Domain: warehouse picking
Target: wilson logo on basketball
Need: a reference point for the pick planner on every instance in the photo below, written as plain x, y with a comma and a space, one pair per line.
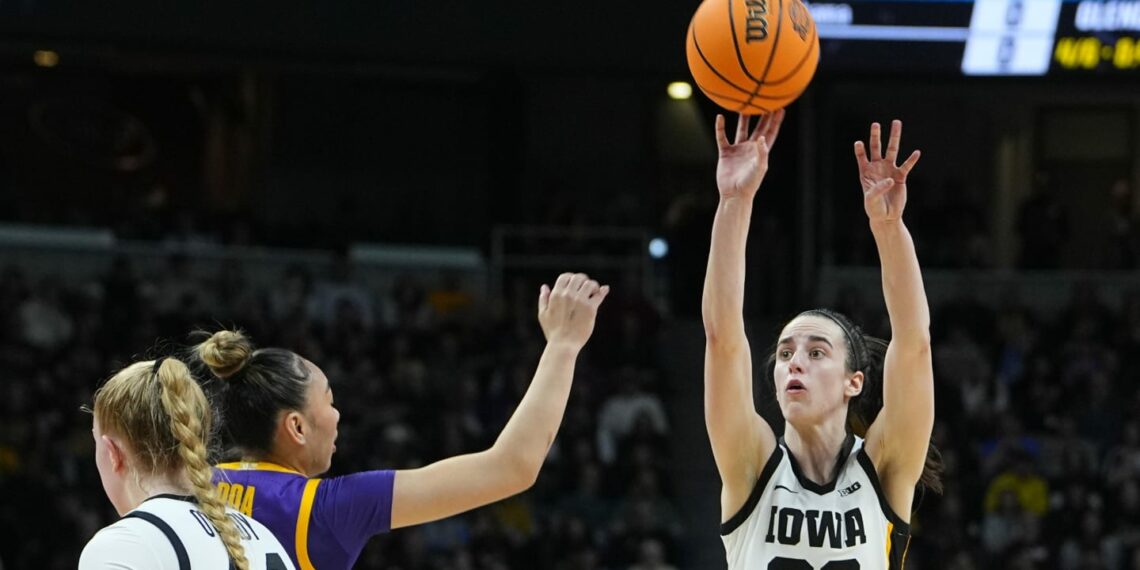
756, 29
801, 22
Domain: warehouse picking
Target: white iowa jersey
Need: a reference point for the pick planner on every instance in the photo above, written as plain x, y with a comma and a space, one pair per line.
170, 532
791, 523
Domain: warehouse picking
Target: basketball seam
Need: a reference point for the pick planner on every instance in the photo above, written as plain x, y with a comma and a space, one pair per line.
775, 46
736, 44
803, 60
748, 103
770, 97
771, 52
697, 45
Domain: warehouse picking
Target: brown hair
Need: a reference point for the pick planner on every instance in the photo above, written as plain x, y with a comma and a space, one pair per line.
161, 411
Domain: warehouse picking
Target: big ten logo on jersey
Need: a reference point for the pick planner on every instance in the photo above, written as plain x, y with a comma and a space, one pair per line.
238, 496
244, 528
823, 528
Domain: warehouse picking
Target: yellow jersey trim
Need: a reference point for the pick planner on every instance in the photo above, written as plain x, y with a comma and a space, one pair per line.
890, 529
905, 551
257, 466
303, 524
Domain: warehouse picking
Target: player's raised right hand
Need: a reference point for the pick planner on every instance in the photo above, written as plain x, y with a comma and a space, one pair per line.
742, 164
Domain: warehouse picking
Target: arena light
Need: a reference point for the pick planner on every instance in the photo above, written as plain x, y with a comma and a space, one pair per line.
680, 90
45, 58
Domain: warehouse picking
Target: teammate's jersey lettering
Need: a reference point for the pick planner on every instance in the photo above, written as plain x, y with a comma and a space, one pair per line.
237, 496
203, 521
243, 527
241, 523
786, 524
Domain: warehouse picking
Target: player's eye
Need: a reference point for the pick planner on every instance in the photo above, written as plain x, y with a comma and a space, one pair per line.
785, 354
816, 353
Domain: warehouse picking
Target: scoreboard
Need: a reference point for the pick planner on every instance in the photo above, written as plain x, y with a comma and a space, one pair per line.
981, 37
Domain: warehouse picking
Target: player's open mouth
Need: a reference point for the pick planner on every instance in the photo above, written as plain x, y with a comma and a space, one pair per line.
795, 387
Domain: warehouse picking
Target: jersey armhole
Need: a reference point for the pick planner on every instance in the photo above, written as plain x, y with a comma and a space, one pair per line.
745, 511
175, 542
869, 468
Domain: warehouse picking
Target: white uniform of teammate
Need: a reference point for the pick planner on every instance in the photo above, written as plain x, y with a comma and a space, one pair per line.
169, 532
791, 523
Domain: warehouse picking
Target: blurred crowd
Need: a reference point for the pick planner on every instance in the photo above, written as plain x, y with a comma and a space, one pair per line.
1038, 421
1052, 228
1038, 416
423, 370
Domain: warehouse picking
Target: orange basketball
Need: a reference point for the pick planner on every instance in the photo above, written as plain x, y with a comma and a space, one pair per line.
752, 56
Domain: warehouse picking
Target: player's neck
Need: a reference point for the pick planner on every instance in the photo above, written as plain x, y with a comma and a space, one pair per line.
815, 448
148, 487
281, 460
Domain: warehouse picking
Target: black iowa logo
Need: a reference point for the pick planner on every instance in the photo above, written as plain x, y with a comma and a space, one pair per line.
791, 526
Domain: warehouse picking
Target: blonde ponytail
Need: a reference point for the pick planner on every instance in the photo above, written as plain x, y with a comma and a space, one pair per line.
189, 414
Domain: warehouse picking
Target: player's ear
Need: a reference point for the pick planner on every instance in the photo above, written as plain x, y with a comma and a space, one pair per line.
854, 385
115, 453
293, 425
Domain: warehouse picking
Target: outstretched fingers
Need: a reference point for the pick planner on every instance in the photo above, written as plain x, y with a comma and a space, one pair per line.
910, 162
741, 129
876, 142
721, 137
769, 128
861, 155
893, 141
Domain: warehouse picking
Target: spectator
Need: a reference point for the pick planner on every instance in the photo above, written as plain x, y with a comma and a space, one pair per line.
620, 412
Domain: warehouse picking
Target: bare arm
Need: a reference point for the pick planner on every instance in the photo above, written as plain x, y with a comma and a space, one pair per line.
900, 436
511, 465
741, 439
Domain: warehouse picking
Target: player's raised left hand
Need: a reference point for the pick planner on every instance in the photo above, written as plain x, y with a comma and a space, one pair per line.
884, 182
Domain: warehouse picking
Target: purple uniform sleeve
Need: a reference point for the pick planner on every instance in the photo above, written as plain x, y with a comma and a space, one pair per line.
358, 506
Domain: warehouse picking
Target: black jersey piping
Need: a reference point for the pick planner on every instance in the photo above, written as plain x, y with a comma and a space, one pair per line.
840, 461
745, 511
869, 468
179, 548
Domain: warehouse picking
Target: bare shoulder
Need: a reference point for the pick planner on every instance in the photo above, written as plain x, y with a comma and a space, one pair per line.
737, 487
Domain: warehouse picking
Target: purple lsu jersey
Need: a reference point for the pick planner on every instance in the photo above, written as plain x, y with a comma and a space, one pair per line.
323, 523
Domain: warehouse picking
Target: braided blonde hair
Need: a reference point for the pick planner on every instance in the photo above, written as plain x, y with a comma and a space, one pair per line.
165, 417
